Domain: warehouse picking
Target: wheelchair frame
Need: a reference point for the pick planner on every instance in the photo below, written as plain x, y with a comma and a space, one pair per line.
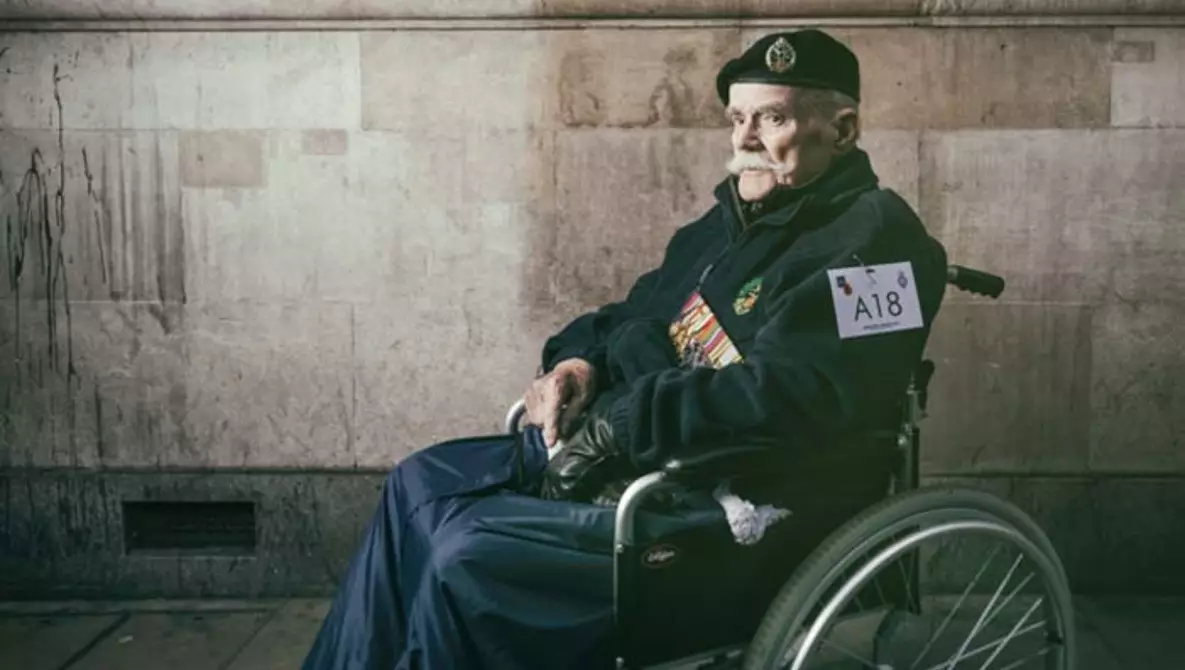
626, 549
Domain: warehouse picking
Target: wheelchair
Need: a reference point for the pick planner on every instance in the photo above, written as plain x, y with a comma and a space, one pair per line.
880, 591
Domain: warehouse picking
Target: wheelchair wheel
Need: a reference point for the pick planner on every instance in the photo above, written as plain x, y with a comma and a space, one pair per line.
926, 580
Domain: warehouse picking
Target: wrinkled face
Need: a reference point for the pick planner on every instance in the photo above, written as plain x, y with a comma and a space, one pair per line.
772, 144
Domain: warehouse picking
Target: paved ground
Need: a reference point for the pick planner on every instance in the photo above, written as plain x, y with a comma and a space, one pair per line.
1114, 634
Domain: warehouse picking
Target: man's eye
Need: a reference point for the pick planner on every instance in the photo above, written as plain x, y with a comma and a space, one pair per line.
775, 119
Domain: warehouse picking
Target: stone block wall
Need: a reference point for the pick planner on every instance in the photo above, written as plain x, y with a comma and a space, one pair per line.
262, 251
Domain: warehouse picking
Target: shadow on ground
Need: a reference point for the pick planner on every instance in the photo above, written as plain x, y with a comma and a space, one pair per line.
1115, 633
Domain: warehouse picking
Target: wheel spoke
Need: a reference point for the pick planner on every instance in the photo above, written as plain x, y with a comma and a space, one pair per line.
905, 577
880, 594
990, 645
1008, 599
983, 616
1026, 659
953, 611
934, 557
1011, 634
855, 596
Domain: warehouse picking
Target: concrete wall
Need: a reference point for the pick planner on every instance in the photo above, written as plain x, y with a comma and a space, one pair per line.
268, 264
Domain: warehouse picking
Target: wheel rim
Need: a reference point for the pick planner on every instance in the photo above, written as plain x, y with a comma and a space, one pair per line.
830, 597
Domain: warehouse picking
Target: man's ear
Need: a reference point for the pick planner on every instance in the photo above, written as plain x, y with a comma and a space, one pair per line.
847, 128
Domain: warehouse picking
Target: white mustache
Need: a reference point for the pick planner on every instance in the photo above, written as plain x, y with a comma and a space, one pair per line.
751, 160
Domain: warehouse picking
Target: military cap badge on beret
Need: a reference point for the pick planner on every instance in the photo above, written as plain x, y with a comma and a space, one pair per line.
806, 58
780, 55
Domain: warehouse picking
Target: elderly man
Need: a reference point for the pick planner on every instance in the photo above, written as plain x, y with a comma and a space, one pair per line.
791, 314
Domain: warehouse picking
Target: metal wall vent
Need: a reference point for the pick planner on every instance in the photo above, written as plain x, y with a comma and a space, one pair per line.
218, 528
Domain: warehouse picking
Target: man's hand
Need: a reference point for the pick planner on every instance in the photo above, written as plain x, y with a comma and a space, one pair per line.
590, 460
557, 398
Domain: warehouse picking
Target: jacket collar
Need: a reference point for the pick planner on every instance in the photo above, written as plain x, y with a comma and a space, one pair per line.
841, 184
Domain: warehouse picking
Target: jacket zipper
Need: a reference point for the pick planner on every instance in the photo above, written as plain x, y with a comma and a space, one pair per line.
704, 275
736, 207
740, 214
745, 227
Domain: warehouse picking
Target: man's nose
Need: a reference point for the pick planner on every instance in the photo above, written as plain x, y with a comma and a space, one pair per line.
748, 129
746, 135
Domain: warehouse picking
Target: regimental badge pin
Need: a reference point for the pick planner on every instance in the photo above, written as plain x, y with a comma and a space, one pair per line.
780, 56
747, 297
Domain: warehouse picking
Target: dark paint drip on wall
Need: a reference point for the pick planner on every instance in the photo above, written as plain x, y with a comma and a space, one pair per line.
32, 209
57, 266
39, 266
40, 227
167, 249
24, 233
73, 381
93, 197
36, 219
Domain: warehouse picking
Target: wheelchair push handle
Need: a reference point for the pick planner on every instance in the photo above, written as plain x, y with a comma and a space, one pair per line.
975, 281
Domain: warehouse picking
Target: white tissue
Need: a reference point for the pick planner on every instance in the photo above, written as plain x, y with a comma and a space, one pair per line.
748, 522
555, 449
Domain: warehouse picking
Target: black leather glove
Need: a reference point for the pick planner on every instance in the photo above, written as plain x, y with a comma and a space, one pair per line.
589, 459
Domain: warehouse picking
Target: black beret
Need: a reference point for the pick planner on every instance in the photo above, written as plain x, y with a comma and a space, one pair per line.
807, 58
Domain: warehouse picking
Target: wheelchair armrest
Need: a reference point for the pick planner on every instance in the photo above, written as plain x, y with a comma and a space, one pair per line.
719, 461
695, 467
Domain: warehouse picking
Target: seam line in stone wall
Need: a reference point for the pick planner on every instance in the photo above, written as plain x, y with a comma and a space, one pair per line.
536, 24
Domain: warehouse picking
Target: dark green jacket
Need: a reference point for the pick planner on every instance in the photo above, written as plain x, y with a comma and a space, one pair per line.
799, 384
